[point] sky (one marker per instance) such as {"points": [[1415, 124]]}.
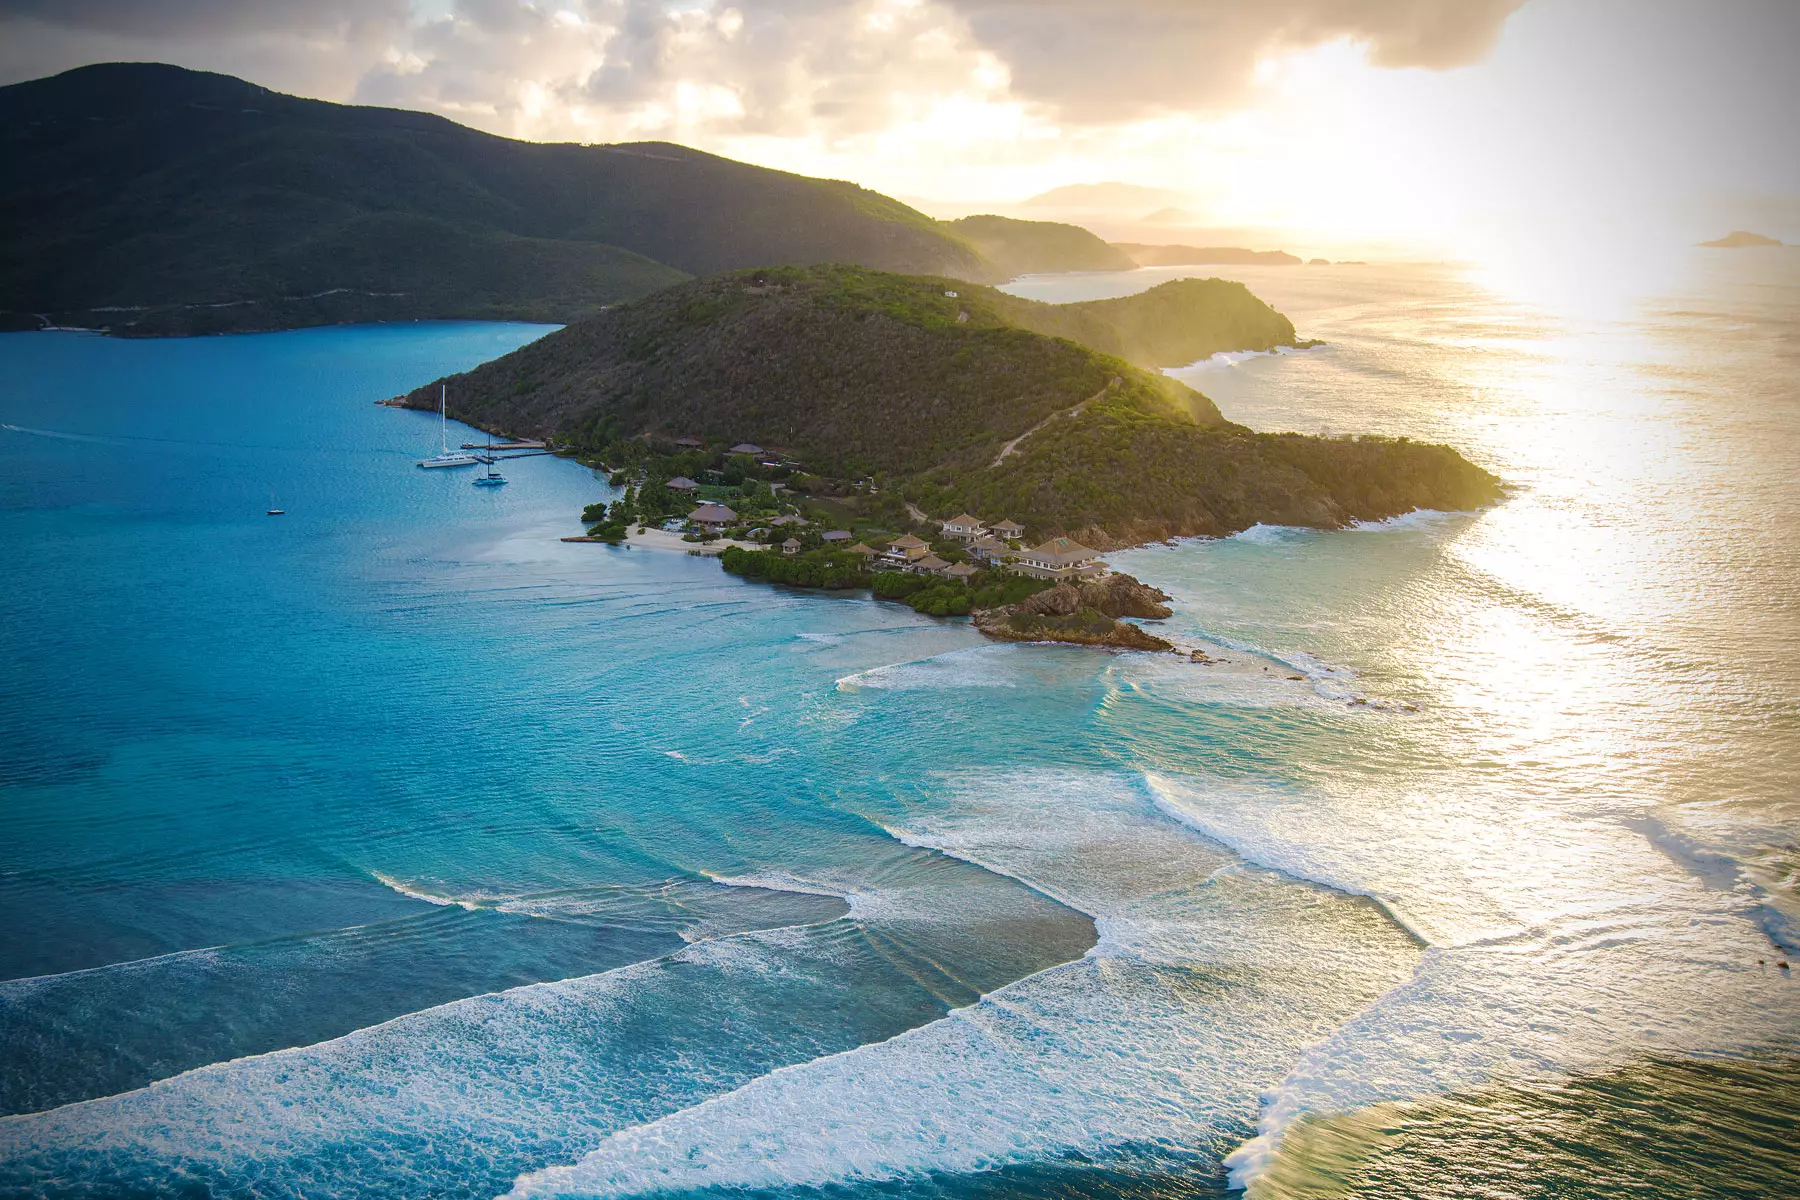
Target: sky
{"points": [[1429, 126]]}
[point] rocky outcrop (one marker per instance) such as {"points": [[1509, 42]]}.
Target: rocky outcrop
{"points": [[1084, 614], [1113, 596]]}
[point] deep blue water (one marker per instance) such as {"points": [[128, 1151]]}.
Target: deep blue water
{"points": [[393, 847]]}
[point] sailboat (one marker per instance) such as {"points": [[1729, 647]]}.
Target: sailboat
{"points": [[273, 511], [493, 478], [447, 457]]}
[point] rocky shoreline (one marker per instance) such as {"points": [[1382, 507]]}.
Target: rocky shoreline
{"points": [[1082, 614]]}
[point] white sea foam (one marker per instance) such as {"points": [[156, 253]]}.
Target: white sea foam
{"points": [[1224, 360], [1552, 947], [970, 667], [1418, 518], [412, 892], [1155, 1043], [1272, 535]]}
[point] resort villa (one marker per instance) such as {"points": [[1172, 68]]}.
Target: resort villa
{"points": [[1008, 531], [745, 448], [989, 549], [964, 528], [1059, 559], [712, 517], [682, 484], [906, 549]]}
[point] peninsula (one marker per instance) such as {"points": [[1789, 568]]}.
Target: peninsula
{"points": [[832, 412]]}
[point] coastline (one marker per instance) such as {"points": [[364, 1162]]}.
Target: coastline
{"points": [[662, 539]]}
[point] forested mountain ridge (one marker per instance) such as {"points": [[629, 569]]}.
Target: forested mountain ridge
{"points": [[944, 393], [152, 199]]}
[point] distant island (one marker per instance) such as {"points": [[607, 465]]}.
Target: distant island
{"points": [[1739, 239], [149, 200], [1189, 256], [1025, 247]]}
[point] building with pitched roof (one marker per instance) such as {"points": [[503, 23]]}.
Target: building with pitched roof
{"points": [[713, 516], [745, 448], [989, 549], [1009, 531], [959, 572], [791, 546], [963, 527], [929, 564], [835, 535], [681, 483], [1059, 559]]}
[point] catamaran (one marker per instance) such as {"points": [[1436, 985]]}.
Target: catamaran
{"points": [[493, 478], [448, 457]]}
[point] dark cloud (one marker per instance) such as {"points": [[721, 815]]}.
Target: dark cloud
{"points": [[176, 18]]}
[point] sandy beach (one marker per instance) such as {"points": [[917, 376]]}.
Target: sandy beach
{"points": [[662, 539]]}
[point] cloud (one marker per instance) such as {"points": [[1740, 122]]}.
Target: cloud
{"points": [[831, 68], [1112, 59]]}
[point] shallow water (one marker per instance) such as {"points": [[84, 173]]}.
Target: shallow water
{"points": [[393, 847]]}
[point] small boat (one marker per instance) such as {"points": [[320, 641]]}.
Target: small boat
{"points": [[446, 457], [273, 511], [493, 478]]}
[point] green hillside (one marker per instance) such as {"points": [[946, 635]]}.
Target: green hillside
{"points": [[864, 374], [1170, 325], [153, 199]]}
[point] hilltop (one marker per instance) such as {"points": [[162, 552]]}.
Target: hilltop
{"points": [[150, 200], [158, 200], [948, 396]]}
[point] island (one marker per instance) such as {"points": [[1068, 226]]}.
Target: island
{"points": [[1188, 256], [860, 425], [1739, 239]]}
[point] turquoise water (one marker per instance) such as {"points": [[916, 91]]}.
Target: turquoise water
{"points": [[394, 847]]}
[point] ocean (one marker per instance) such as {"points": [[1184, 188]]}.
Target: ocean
{"points": [[393, 847]]}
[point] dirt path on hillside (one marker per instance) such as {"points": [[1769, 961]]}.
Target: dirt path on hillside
{"points": [[1067, 412]]}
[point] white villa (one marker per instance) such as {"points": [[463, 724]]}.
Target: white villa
{"points": [[1059, 559], [1008, 531], [963, 527]]}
